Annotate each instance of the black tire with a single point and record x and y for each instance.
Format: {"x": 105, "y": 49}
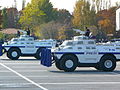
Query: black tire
{"x": 13, "y": 54}
{"x": 107, "y": 63}
{"x": 68, "y": 63}
{"x": 38, "y": 54}
{"x": 97, "y": 67}
{"x": 57, "y": 64}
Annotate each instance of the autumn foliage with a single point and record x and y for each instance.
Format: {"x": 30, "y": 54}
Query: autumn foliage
{"x": 106, "y": 20}
{"x": 45, "y": 21}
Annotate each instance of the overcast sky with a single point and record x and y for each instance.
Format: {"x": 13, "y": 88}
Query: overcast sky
{"x": 66, "y": 4}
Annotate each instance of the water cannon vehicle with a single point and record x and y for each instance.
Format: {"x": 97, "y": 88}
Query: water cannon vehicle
{"x": 26, "y": 45}
{"x": 85, "y": 52}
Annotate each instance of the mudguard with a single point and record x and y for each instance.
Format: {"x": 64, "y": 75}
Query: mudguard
{"x": 46, "y": 59}
{"x": 1, "y": 50}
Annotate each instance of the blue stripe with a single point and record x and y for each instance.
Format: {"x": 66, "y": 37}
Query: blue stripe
{"x": 24, "y": 46}
{"x": 15, "y": 46}
{"x": 83, "y": 52}
{"x": 68, "y": 52}
{"x": 109, "y": 53}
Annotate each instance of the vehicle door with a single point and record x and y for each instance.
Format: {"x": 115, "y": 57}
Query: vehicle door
{"x": 91, "y": 52}
{"x": 30, "y": 46}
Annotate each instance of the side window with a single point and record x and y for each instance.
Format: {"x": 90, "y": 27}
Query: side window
{"x": 87, "y": 47}
{"x": 22, "y": 43}
{"x": 15, "y": 40}
{"x": 93, "y": 47}
{"x": 70, "y": 43}
{"x": 80, "y": 42}
{"x": 91, "y": 42}
{"x": 22, "y": 39}
{"x": 30, "y": 39}
{"x": 49, "y": 43}
{"x": 79, "y": 47}
{"x": 90, "y": 47}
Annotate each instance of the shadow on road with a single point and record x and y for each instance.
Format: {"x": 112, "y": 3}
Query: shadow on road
{"x": 92, "y": 72}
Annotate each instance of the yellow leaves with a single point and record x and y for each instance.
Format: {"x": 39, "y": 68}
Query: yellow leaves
{"x": 31, "y": 14}
{"x": 104, "y": 23}
{"x": 107, "y": 26}
{"x": 61, "y": 34}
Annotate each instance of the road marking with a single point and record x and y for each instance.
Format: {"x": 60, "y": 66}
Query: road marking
{"x": 27, "y": 79}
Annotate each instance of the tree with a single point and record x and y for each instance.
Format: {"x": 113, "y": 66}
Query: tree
{"x": 0, "y": 19}
{"x": 49, "y": 30}
{"x": 30, "y": 16}
{"x": 1, "y": 35}
{"x": 83, "y": 15}
{"x": 36, "y": 13}
{"x": 5, "y": 18}
{"x": 65, "y": 32}
{"x": 64, "y": 16}
{"x": 12, "y": 15}
{"x": 101, "y": 4}
{"x": 106, "y": 20}
{"x": 23, "y": 4}
{"x": 47, "y": 8}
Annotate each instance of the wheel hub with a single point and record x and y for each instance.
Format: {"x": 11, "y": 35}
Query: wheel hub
{"x": 69, "y": 63}
{"x": 14, "y": 54}
{"x": 108, "y": 63}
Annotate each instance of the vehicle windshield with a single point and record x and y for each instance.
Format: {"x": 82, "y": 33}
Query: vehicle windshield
{"x": 14, "y": 39}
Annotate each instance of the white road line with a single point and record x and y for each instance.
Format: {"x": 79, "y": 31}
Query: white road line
{"x": 27, "y": 79}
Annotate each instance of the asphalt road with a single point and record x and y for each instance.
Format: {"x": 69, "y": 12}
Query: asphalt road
{"x": 28, "y": 74}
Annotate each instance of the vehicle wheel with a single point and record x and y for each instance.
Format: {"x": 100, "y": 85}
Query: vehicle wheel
{"x": 13, "y": 54}
{"x": 68, "y": 63}
{"x": 38, "y": 54}
{"x": 57, "y": 64}
{"x": 97, "y": 67}
{"x": 108, "y": 63}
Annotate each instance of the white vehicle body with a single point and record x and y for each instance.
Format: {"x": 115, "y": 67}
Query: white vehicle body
{"x": 86, "y": 53}
{"x": 27, "y": 46}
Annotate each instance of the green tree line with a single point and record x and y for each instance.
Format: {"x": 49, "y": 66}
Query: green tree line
{"x": 45, "y": 21}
